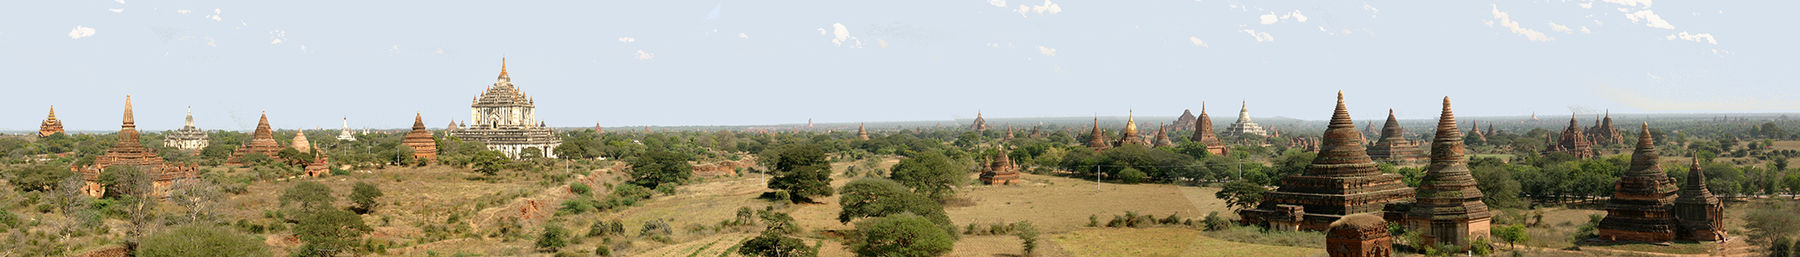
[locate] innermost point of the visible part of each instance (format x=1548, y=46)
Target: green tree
x=39, y=177
x=776, y=245
x=801, y=171
x=488, y=162
x=329, y=232
x=1028, y=237
x=900, y=235
x=870, y=197
x=554, y=237
x=309, y=196
x=1512, y=234
x=1240, y=195
x=201, y=240
x=658, y=167
x=929, y=173
x=1780, y=248
x=1132, y=176
x=1771, y=221
x=363, y=195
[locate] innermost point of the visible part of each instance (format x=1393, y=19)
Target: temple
x=1701, y=215
x=1603, y=133
x=1244, y=126
x=300, y=142
x=1341, y=181
x=1129, y=136
x=128, y=152
x=1185, y=121
x=1203, y=134
x=1361, y=235
x=862, y=133
x=424, y=147
x=345, y=135
x=1448, y=208
x=1393, y=146
x=980, y=123
x=1000, y=171
x=1097, y=139
x=1572, y=142
x=188, y=138
x=505, y=119
x=261, y=142
x=1642, y=199
x=51, y=125
x=1161, y=139
x=1475, y=129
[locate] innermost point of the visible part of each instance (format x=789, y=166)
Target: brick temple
x=1646, y=206
x=1572, y=141
x=129, y=152
x=1341, y=181
x=51, y=125
x=1361, y=235
x=1001, y=170
x=1203, y=134
x=424, y=147
x=1448, y=208
x=261, y=142
x=1393, y=146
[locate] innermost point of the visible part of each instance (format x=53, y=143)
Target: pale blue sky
x=629, y=63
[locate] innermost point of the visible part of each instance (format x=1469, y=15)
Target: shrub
x=201, y=240
x=1028, y=235
x=771, y=244
x=554, y=237
x=900, y=235
x=1216, y=223
x=363, y=196
x=1132, y=176
x=656, y=228
x=580, y=189
x=1093, y=220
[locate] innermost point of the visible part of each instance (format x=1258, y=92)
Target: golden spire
x=53, y=112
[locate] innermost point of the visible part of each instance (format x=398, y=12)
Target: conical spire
x=1096, y=139
x=1696, y=179
x=1341, y=151
x=418, y=121
x=128, y=134
x=503, y=68
x=1448, y=192
x=52, y=112
x=1644, y=160
x=1447, y=148
x=190, y=117
x=129, y=121
x=1131, y=127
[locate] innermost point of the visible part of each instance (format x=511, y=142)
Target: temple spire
x=129, y=121
x=190, y=116
x=53, y=112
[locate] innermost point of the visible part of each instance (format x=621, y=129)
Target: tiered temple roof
x=1701, y=215
x=1162, y=137
x=1341, y=181
x=1244, y=126
x=505, y=119
x=1643, y=199
x=188, y=138
x=1603, y=133
x=129, y=152
x=1009, y=132
x=1361, y=235
x=1185, y=122
x=1475, y=129
x=1000, y=171
x=1203, y=133
x=1129, y=136
x=1572, y=141
x=261, y=142
x=51, y=125
x=423, y=145
x=980, y=123
x=1393, y=146
x=1448, y=194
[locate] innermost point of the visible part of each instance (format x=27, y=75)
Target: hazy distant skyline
x=680, y=63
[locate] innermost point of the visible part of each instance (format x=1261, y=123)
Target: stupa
x=1701, y=215
x=505, y=119
x=862, y=132
x=1475, y=129
x=1185, y=121
x=1643, y=199
x=1603, y=133
x=1572, y=142
x=1244, y=126
x=1393, y=146
x=188, y=138
x=1096, y=139
x=980, y=123
x=261, y=142
x=129, y=152
x=1341, y=181
x=345, y=135
x=300, y=142
x=1448, y=208
x=51, y=125
x=1203, y=134
x=424, y=147
x=1129, y=136
x=1162, y=138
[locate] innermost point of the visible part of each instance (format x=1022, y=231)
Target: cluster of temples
x=1646, y=207
x=505, y=119
x=1603, y=134
x=262, y=142
x=1341, y=181
x=1000, y=170
x=1572, y=141
x=128, y=152
x=1393, y=146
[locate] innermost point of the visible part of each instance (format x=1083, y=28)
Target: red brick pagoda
x=1341, y=181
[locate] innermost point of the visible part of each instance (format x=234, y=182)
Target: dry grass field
x=1165, y=242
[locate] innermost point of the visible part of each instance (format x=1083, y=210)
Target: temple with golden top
x=51, y=125
x=505, y=119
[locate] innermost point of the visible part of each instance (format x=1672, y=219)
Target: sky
x=675, y=63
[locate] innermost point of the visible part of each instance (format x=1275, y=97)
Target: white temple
x=188, y=138
x=345, y=134
x=1244, y=126
x=504, y=119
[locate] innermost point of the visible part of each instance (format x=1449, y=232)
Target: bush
x=900, y=235
x=554, y=237
x=363, y=195
x=771, y=244
x=1132, y=176
x=201, y=240
x=1093, y=220
x=1216, y=223
x=602, y=250
x=656, y=228
x=1028, y=235
x=1255, y=235
x=576, y=206
x=580, y=189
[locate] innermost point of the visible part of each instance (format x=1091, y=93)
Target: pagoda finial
x=128, y=118
x=53, y=111
x=1203, y=107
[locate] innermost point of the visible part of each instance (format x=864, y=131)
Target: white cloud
x=1631, y=3
x=1700, y=37
x=1046, y=8
x=822, y=31
x=1505, y=20
x=440, y=50
x=1260, y=36
x=183, y=12
x=1047, y=51
x=215, y=15
x=210, y=42
x=119, y=1
x=1584, y=30
x=641, y=55
x=275, y=42
x=81, y=32
x=116, y=10
x=278, y=35
x=1560, y=28
x=1372, y=11
x=1587, y=5
x=1268, y=19
x=1271, y=18
x=627, y=39
x=997, y=3
x=881, y=42
x=1296, y=16
x=743, y=36
x=839, y=34
x=1198, y=42
x=1649, y=18
x=1653, y=76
